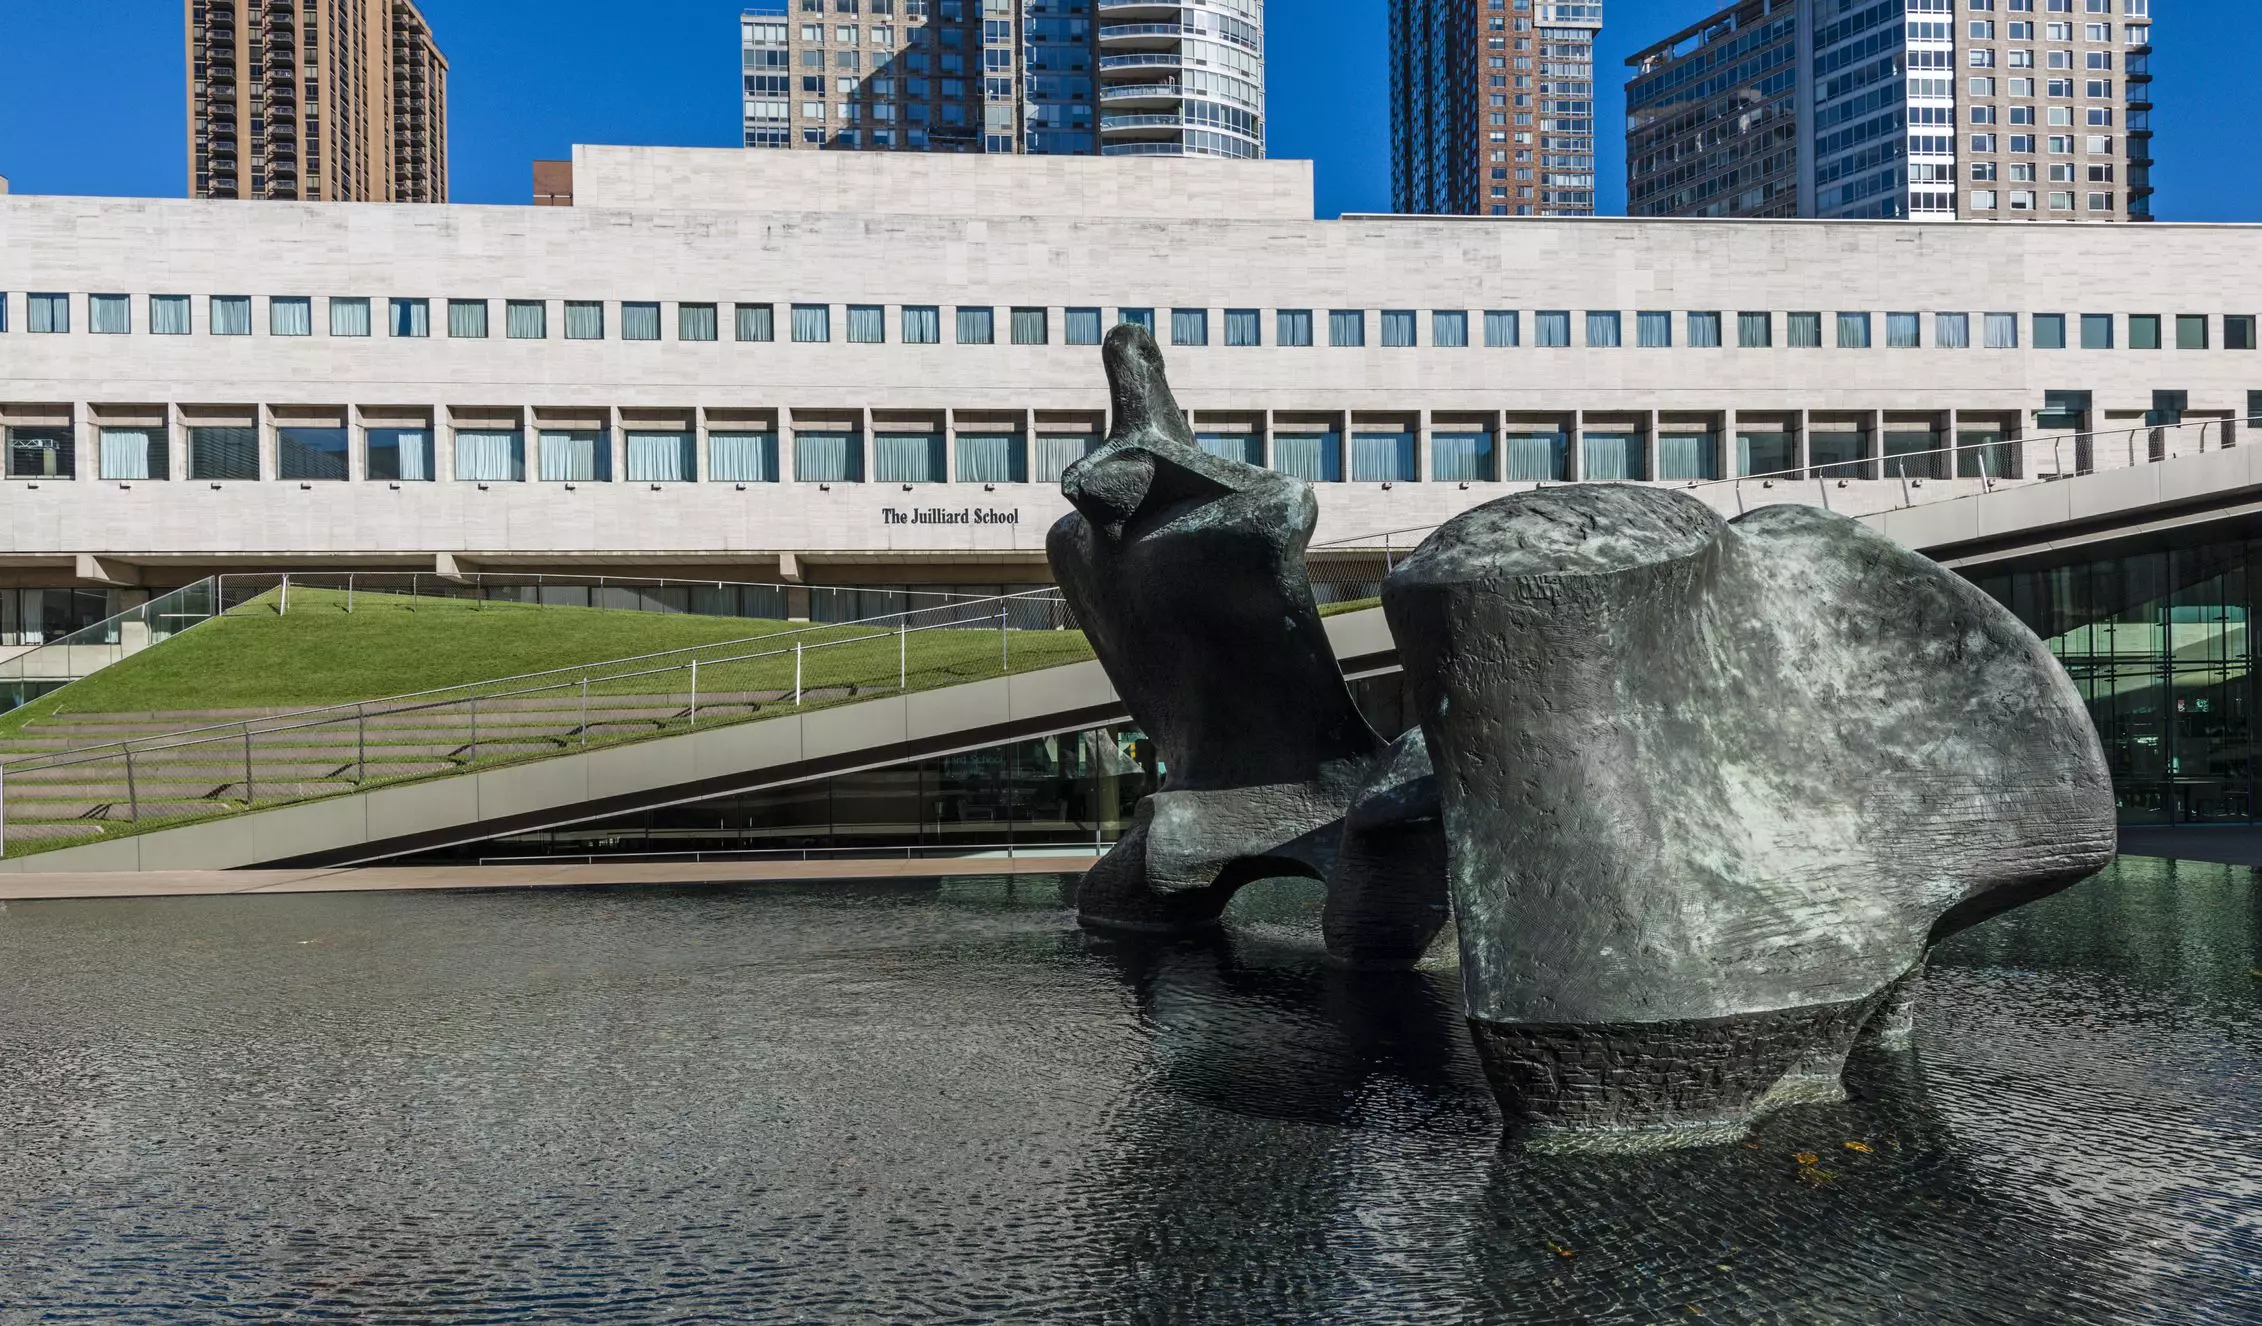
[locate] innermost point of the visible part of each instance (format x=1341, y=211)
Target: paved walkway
x=207, y=883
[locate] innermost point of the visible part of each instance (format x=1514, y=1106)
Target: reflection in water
x=920, y=1103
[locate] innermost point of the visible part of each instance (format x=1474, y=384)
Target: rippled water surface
x=877, y=1103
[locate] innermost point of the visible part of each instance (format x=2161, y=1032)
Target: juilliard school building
x=843, y=374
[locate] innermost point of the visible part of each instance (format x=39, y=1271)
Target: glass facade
x=2158, y=643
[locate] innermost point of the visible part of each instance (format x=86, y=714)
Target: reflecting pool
x=923, y=1103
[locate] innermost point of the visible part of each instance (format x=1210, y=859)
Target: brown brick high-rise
x=316, y=100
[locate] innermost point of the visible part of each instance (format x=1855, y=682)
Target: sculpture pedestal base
x=1643, y=1086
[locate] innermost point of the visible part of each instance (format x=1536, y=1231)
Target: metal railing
x=224, y=768
x=1010, y=851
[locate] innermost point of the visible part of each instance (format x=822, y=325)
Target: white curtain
x=907, y=457
x=526, y=320
x=467, y=318
x=231, y=315
x=1189, y=326
x=1551, y=327
x=1055, y=452
x=169, y=315
x=1534, y=457
x=922, y=324
x=1243, y=326
x=1502, y=329
x=1704, y=331
x=1903, y=331
x=290, y=317
x=575, y=455
x=1347, y=326
x=1755, y=331
x=404, y=454
x=1609, y=456
x=110, y=314
x=1382, y=457
x=585, y=320
x=695, y=322
x=1449, y=328
x=1082, y=326
x=1248, y=448
x=1803, y=331
x=1312, y=457
x=812, y=322
x=1460, y=457
x=756, y=322
x=640, y=322
x=1397, y=327
x=2002, y=331
x=1687, y=456
x=1602, y=330
x=1853, y=331
x=489, y=456
x=1029, y=326
x=348, y=317
x=992, y=458
x=125, y=453
x=977, y=326
x=828, y=457
x=1653, y=329
x=742, y=457
x=662, y=457
x=867, y=324
x=412, y=317
x=1294, y=326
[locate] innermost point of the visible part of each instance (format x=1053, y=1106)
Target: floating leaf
x=1559, y=1250
x=1862, y=1147
x=1806, y=1157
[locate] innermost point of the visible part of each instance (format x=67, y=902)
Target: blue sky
x=523, y=86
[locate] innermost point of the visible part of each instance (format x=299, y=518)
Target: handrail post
x=412, y=579
x=903, y=653
x=285, y=609
x=1004, y=651
x=694, y=692
x=133, y=793
x=584, y=708
x=797, y=674
x=247, y=796
x=349, y=593
x=474, y=728
x=360, y=744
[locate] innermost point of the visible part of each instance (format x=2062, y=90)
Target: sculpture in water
x=1712, y=789
x=1705, y=792
x=1186, y=571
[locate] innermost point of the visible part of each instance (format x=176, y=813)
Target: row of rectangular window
x=840, y=456
x=921, y=324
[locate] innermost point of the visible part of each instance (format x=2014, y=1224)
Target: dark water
x=911, y=1104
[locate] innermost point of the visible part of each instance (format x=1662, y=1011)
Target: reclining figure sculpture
x=1712, y=789
x=1186, y=571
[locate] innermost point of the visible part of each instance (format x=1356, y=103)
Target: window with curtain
x=231, y=315
x=41, y=453
x=412, y=317
x=134, y=453
x=1853, y=331
x=1243, y=326
x=742, y=457
x=1247, y=448
x=2191, y=330
x=922, y=324
x=52, y=313
x=907, y=457
x=1144, y=317
x=585, y=320
x=1803, y=331
x=223, y=453
x=1347, y=326
x=639, y=321
x=349, y=317
x=2238, y=331
x=1951, y=331
x=1081, y=325
x=1189, y=326
x=110, y=315
x=828, y=457
x=1653, y=330
x=526, y=320
x=400, y=455
x=1312, y=457
x=169, y=315
x=1534, y=457
x=977, y=326
x=1461, y=457
x=1602, y=330
x=1029, y=327
x=1397, y=328
x=867, y=324
x=1765, y=452
x=1611, y=457
x=1294, y=327
x=992, y=458
x=575, y=455
x=1551, y=328
x=467, y=319
x=657, y=457
x=695, y=322
x=1502, y=329
x=310, y=453
x=290, y=316
x=756, y=322
x=812, y=323
x=1055, y=452
x=2096, y=331
x=1380, y=457
x=2002, y=331
x=485, y=455
x=1903, y=331
x=1449, y=328
x=1704, y=331
x=2049, y=331
x=1755, y=331
x=1687, y=456
x=3, y=311
x=2143, y=331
